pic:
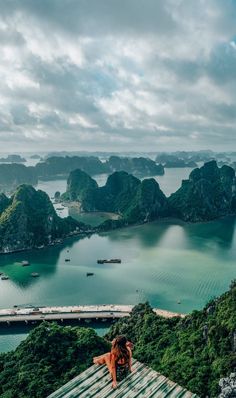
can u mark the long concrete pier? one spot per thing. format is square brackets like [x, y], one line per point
[82, 312]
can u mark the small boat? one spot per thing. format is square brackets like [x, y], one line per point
[67, 259]
[109, 261]
[34, 274]
[89, 274]
[25, 263]
[4, 277]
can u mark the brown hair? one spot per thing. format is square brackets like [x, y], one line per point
[119, 349]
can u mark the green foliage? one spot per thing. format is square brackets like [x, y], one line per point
[29, 220]
[47, 359]
[206, 195]
[195, 351]
[123, 193]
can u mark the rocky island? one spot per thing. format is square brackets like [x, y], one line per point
[28, 220]
[209, 193]
[12, 175]
[13, 159]
[173, 161]
[134, 200]
[139, 167]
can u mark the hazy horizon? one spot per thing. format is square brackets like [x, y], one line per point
[117, 76]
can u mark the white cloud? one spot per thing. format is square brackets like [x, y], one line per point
[109, 74]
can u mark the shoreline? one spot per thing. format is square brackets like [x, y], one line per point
[96, 230]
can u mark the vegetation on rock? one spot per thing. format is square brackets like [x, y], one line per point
[209, 193]
[49, 357]
[195, 351]
[29, 220]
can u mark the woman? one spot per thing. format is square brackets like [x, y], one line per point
[118, 360]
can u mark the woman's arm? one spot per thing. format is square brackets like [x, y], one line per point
[113, 371]
[130, 359]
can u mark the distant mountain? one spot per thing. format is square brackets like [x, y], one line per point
[209, 193]
[13, 159]
[28, 220]
[173, 161]
[57, 166]
[12, 175]
[139, 167]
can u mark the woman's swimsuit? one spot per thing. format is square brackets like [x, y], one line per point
[122, 371]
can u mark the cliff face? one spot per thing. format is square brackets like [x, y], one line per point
[79, 184]
[209, 193]
[29, 220]
[149, 203]
[123, 193]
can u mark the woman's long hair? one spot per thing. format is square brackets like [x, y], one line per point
[120, 350]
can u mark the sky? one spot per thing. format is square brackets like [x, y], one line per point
[117, 75]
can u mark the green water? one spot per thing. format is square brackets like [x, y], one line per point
[163, 262]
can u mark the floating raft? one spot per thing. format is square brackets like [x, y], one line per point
[143, 382]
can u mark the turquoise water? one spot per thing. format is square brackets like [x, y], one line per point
[162, 262]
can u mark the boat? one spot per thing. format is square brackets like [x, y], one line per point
[89, 274]
[109, 261]
[4, 277]
[24, 263]
[34, 274]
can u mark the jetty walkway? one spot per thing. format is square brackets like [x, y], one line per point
[87, 313]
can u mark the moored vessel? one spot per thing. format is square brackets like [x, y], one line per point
[109, 261]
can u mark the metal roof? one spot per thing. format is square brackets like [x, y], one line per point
[142, 383]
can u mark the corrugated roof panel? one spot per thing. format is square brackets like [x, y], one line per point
[144, 382]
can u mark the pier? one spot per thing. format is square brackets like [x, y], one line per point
[88, 313]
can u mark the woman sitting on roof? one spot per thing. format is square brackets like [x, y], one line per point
[118, 360]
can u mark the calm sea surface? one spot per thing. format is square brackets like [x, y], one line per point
[175, 266]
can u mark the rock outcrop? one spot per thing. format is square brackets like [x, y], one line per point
[28, 220]
[209, 193]
[123, 193]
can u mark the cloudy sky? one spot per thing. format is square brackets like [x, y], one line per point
[117, 75]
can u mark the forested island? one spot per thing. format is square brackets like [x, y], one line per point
[28, 220]
[208, 194]
[196, 351]
[56, 167]
[13, 159]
